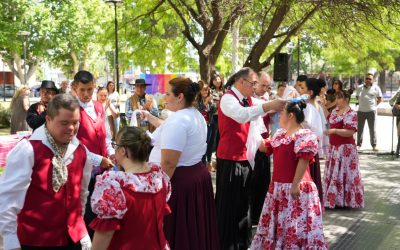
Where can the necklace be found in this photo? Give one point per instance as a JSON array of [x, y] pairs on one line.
[[137, 168]]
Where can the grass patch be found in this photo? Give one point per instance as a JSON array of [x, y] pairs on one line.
[[4, 131]]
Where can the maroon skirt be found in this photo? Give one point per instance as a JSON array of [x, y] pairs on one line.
[[192, 223]]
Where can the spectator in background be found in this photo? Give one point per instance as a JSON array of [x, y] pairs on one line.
[[301, 79], [207, 108], [369, 96], [337, 87], [113, 96], [63, 87], [110, 113], [19, 107], [141, 101], [395, 100], [36, 116], [217, 90]]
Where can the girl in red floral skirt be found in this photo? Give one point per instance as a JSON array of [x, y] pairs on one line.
[[291, 217], [342, 178], [131, 205]]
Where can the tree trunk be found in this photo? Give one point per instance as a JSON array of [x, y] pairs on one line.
[[75, 62], [206, 67], [382, 80]]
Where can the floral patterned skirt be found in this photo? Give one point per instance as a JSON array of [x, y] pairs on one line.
[[342, 178], [288, 223]]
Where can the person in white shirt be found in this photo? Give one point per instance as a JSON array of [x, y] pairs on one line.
[[114, 98], [179, 145], [369, 96], [45, 185]]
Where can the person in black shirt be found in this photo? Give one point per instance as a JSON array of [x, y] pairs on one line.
[[36, 116]]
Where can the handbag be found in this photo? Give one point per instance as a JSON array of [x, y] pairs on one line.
[[395, 110]]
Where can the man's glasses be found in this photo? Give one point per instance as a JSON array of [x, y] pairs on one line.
[[368, 79], [115, 145], [252, 83]]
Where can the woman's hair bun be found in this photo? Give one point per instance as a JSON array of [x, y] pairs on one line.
[[302, 105]]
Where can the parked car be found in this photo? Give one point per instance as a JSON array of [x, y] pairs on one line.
[[8, 90]]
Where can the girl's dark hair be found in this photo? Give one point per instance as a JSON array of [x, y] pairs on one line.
[[213, 77], [136, 142], [185, 86], [201, 86], [340, 84], [345, 94], [296, 108], [108, 84], [100, 88], [315, 85]]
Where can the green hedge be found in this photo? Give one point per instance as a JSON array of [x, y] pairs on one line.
[[5, 117]]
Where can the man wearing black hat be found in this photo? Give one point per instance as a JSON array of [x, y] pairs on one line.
[[141, 100], [36, 116]]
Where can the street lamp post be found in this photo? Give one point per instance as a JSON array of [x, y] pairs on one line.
[[24, 34], [3, 52], [115, 3]]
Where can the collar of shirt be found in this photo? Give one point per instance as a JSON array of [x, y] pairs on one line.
[[237, 93], [39, 135], [86, 104]]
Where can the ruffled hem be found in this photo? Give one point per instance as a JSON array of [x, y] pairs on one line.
[[105, 224]]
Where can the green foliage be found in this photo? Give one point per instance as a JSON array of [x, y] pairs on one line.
[[5, 117]]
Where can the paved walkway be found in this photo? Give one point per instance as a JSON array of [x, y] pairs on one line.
[[377, 226]]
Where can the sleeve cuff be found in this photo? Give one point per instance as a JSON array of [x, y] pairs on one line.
[[96, 159], [105, 224], [11, 241]]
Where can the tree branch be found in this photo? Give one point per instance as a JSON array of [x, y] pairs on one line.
[[160, 2], [186, 31]]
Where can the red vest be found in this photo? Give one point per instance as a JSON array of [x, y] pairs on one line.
[[51, 218], [92, 133], [233, 135]]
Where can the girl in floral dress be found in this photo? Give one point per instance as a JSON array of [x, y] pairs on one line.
[[342, 178], [131, 205], [291, 216]]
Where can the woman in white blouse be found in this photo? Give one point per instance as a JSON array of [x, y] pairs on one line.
[[113, 96], [315, 121], [179, 144]]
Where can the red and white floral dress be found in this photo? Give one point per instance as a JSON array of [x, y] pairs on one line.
[[132, 205], [342, 178], [288, 223]]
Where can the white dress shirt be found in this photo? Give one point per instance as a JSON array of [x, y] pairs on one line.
[[232, 108], [88, 107], [15, 181]]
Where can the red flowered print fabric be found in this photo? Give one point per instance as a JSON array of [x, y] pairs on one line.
[[108, 200], [288, 223]]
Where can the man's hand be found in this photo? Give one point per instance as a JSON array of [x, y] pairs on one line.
[[148, 103], [106, 163], [274, 105]]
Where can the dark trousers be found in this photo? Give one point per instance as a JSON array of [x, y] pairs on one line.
[[233, 204], [371, 119], [212, 144], [89, 215], [259, 184]]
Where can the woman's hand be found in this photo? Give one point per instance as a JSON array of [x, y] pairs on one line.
[[295, 191]]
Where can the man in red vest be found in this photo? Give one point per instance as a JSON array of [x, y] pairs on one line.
[[234, 173], [92, 131], [43, 191]]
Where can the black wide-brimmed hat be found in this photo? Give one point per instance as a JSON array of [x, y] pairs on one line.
[[46, 84], [141, 82]]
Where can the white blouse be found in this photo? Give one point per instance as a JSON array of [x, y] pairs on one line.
[[184, 131]]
